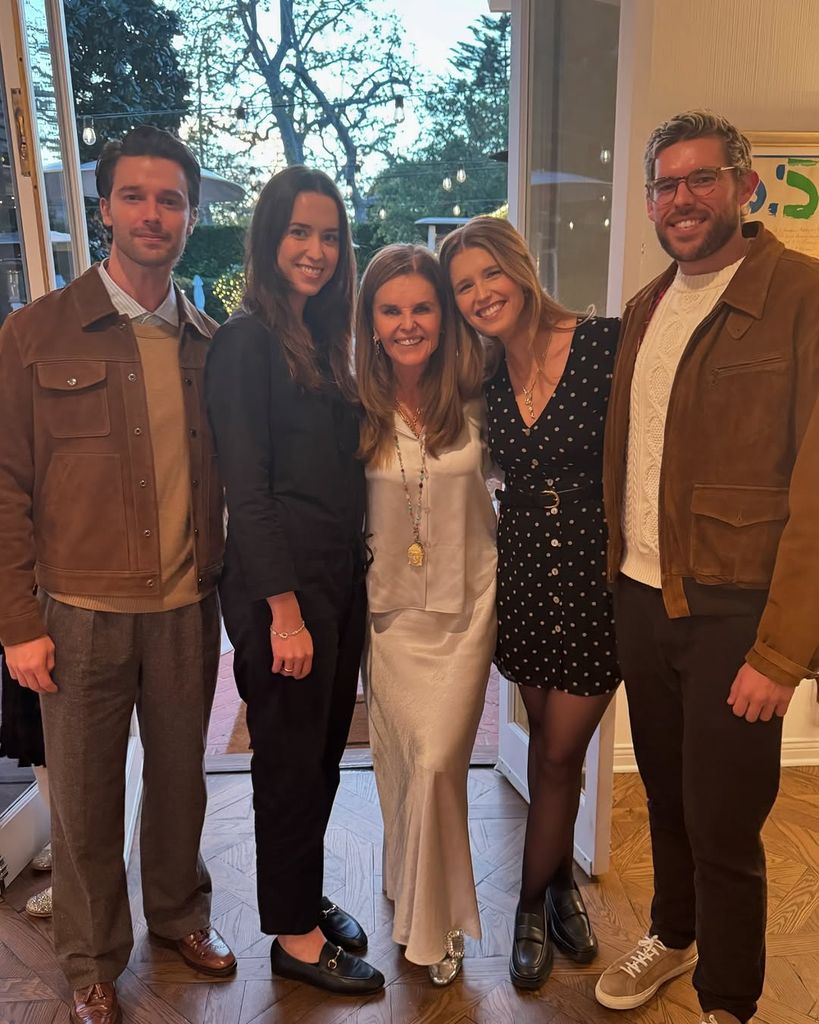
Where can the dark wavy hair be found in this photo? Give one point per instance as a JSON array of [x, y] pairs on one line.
[[146, 140], [327, 326]]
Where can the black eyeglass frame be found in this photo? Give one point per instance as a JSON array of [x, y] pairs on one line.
[[677, 181]]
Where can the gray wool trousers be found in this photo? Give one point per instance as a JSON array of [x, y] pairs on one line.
[[164, 664]]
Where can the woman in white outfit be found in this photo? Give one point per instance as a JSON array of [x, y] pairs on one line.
[[431, 593]]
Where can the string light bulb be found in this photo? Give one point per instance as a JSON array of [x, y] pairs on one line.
[[89, 136], [398, 113], [460, 177], [605, 156], [456, 210], [446, 184], [382, 214]]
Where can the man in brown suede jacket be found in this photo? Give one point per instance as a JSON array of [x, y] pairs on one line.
[[111, 507], [711, 483]]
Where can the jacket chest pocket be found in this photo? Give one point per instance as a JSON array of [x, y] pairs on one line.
[[74, 397]]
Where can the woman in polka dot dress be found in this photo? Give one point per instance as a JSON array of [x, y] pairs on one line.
[[550, 372]]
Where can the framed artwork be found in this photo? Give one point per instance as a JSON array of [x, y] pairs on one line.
[[787, 197]]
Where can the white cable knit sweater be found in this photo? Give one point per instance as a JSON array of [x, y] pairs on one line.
[[688, 301]]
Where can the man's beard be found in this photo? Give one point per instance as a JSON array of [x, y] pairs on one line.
[[720, 232]]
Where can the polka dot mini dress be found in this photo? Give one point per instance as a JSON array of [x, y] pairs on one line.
[[555, 620]]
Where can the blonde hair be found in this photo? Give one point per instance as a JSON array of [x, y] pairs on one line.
[[509, 250], [452, 375]]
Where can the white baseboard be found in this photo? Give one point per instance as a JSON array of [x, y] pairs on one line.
[[796, 751], [24, 826]]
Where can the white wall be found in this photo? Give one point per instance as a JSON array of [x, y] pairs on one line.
[[755, 61]]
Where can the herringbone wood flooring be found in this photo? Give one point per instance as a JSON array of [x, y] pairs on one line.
[[155, 988]]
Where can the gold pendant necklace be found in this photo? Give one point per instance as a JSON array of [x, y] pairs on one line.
[[529, 396]]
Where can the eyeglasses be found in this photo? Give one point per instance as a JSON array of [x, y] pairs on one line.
[[700, 182]]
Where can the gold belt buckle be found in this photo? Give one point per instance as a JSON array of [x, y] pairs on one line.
[[548, 492]]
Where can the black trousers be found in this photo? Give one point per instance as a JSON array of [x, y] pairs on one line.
[[711, 780], [298, 730]]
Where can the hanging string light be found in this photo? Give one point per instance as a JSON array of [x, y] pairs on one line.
[[89, 136], [398, 114], [382, 214], [456, 210], [460, 177], [605, 156], [446, 184]]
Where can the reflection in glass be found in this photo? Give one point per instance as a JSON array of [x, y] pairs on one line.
[[13, 287], [48, 132], [571, 140]]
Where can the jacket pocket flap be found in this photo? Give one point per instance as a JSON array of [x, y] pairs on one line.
[[740, 506], [71, 375]]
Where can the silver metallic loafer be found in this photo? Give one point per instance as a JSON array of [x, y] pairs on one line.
[[448, 969], [42, 862], [40, 904]]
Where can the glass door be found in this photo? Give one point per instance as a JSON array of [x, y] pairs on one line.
[[562, 107], [43, 245]]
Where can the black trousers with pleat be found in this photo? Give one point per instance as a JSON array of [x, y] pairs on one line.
[[298, 731]]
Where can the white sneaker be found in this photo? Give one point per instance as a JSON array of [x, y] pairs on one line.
[[635, 978]]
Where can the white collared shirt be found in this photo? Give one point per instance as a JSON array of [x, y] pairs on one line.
[[167, 313]]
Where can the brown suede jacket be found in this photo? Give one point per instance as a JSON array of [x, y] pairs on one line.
[[78, 511], [739, 485]]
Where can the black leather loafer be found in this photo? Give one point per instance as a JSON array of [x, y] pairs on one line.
[[341, 928], [569, 923], [532, 953], [336, 971]]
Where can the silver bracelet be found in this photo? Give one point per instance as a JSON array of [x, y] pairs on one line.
[[285, 636]]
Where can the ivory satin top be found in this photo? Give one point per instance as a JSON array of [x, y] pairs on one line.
[[457, 528]]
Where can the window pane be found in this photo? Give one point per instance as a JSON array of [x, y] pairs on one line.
[[13, 286], [51, 145], [571, 131]]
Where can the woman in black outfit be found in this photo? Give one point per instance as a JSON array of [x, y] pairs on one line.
[[282, 405], [550, 373]]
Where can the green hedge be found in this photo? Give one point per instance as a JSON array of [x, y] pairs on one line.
[[213, 251]]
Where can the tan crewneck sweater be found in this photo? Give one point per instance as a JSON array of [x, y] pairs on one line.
[[688, 301], [159, 355]]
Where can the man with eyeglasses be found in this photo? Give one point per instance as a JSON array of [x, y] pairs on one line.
[[711, 483]]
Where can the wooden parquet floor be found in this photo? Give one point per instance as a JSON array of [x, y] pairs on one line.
[[157, 990]]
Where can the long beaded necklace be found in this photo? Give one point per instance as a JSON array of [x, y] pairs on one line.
[[415, 552]]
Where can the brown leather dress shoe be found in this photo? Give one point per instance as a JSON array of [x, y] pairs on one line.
[[96, 1004], [205, 950]]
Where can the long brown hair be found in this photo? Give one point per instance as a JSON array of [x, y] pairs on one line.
[[509, 250], [452, 376], [328, 315]]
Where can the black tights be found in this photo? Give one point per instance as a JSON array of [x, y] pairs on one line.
[[560, 728]]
